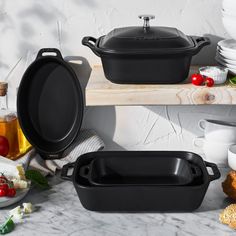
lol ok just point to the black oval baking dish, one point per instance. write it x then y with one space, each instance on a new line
157 170
146 55
50 104
141 198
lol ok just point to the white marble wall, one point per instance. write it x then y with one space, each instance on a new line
28 25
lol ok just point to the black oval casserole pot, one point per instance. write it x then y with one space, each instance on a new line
143 197
146 55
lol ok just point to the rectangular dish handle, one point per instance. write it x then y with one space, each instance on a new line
64 171
216 172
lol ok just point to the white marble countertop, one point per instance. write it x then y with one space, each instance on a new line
60 213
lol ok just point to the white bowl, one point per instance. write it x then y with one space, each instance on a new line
217 73
228 45
230 25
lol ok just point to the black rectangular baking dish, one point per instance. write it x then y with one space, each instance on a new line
141 198
156 170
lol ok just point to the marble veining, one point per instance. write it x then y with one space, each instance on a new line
61 213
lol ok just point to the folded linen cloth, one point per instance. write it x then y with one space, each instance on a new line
87 141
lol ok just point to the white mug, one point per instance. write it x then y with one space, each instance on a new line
218 131
214 151
232 157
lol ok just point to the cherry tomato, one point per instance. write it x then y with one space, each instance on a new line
209 82
4 186
3 192
11 192
3 179
197 79
4 146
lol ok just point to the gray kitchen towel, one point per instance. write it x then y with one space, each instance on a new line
87 141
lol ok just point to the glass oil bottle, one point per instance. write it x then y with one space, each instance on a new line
10 128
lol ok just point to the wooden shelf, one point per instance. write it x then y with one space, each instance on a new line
101 92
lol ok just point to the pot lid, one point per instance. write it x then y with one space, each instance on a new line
145 38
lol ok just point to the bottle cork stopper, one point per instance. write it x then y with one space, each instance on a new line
3 88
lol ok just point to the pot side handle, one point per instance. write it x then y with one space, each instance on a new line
90 42
216 172
200 42
49 52
64 171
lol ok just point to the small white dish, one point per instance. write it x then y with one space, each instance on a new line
232 157
217 73
7 201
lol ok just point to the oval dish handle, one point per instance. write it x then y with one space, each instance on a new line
216 172
50 52
64 171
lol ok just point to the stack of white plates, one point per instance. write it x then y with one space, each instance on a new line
229 17
226 54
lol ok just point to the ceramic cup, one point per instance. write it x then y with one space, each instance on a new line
214 151
219 131
232 157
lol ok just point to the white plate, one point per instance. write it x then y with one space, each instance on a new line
225 60
227 54
7 201
228 45
225 64
231 70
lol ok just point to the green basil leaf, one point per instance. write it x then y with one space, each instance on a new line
7 227
233 80
37 178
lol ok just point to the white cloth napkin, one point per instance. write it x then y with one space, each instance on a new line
87 141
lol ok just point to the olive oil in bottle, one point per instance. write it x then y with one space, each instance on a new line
10 128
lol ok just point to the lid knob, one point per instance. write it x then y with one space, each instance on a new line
146 19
